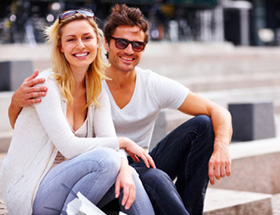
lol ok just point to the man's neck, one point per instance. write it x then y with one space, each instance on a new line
121 86
121 79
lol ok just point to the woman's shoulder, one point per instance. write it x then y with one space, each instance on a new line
102 96
46 74
49 77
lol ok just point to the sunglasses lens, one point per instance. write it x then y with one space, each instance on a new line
87 13
70 13
138 46
121 43
67 14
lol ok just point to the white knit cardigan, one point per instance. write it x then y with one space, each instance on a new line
40 132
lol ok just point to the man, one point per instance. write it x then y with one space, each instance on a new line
195 150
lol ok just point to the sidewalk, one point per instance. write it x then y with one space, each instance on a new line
276 204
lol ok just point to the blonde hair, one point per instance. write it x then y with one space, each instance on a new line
61 67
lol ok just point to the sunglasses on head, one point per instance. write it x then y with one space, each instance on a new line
69 13
121 43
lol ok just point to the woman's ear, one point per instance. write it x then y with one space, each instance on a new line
61 48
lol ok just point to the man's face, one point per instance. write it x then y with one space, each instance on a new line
125 59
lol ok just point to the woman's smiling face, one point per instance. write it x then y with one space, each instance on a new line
79 44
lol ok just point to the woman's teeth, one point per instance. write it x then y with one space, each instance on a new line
81 55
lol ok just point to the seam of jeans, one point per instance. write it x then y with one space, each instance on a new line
66 169
156 198
137 208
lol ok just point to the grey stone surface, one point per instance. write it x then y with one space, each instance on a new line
276 204
229 202
5 99
252 120
5 140
12 74
262 207
255 167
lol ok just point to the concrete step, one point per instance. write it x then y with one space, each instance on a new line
253 186
209 61
230 196
276 204
5 139
255 167
225 202
231 81
227 96
2 156
232 204
229 202
5 99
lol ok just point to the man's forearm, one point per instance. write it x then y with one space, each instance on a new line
222 126
14 110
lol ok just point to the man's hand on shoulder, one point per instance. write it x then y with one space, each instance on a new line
28 93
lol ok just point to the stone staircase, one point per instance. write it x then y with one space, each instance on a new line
224 74
230 202
253 183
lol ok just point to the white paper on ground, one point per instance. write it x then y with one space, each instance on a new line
82 206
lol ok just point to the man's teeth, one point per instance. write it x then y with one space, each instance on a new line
126 58
81 55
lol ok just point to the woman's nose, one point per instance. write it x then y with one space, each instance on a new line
80 44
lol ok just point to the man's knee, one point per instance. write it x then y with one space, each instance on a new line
204 124
204 121
156 178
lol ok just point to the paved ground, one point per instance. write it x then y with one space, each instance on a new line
276 204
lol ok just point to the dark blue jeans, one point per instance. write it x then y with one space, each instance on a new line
182 155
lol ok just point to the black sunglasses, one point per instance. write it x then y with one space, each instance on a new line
69 13
121 43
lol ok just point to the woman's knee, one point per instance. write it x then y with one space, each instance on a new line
107 159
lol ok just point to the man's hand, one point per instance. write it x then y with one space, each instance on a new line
220 163
28 93
125 181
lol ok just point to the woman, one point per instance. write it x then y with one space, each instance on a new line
68 142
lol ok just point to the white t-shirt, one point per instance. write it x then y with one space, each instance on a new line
152 93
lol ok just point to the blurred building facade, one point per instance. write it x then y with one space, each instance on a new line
252 22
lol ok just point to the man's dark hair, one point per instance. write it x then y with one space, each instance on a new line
124 15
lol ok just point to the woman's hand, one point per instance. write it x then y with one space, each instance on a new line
135 151
126 182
